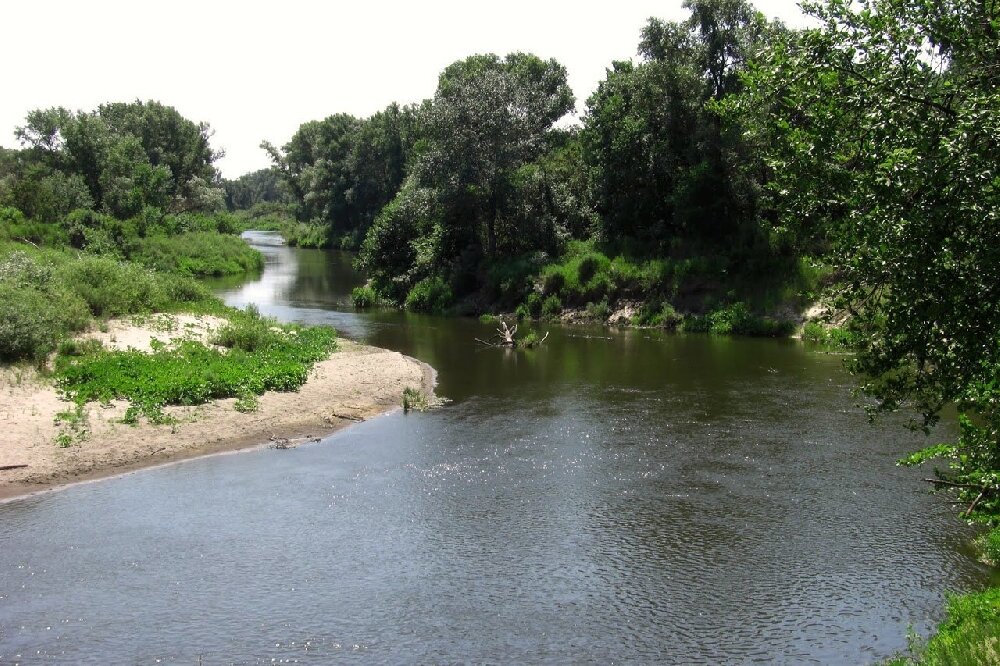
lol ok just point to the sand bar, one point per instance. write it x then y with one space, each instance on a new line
356 383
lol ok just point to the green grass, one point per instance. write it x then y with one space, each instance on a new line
365 297
261 356
47 295
829 337
198 253
970 634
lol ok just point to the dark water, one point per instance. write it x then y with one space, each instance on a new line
611 497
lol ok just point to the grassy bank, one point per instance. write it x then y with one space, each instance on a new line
47 296
970 634
705 293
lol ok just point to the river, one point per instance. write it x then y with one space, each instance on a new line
611 497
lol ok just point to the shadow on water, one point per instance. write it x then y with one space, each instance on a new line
612 496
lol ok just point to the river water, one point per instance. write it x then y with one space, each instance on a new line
611 497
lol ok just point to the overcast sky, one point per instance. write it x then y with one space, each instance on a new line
256 70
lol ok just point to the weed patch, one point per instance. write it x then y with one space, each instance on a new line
261 356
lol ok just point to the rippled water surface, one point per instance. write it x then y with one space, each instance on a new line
609 497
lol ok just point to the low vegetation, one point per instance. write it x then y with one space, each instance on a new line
970 634
46 295
250 355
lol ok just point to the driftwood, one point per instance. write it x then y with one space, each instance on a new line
4 468
505 338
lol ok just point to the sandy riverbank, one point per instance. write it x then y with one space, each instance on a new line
354 384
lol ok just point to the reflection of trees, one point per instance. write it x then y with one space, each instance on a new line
324 277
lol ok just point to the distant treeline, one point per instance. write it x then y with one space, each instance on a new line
480 178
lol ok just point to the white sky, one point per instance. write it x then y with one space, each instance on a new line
257 70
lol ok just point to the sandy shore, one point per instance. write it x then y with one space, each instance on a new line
354 384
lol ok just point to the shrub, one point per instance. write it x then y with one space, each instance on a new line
599 311
655 313
533 305
737 319
813 331
198 253
599 287
32 321
429 295
553 282
365 297
552 307
112 288
832 337
587 268
250 332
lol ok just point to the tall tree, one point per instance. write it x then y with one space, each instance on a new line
315 165
129 155
490 116
665 165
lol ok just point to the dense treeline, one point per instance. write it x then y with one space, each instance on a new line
130 180
470 199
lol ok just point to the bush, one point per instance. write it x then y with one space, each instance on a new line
552 307
32 321
658 314
198 253
553 282
112 288
250 332
429 295
365 297
510 281
814 331
737 319
598 311
831 337
599 287
533 305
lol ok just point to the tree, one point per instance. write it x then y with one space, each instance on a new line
883 134
665 166
315 165
129 155
257 187
490 117
380 158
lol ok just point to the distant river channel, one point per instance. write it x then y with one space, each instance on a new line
610 497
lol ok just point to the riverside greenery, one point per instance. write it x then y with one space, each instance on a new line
49 294
257 354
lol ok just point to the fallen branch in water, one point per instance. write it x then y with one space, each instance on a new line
505 338
952 484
